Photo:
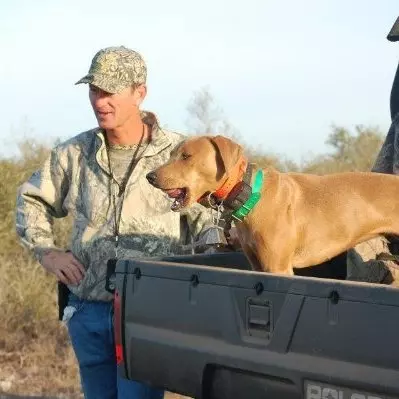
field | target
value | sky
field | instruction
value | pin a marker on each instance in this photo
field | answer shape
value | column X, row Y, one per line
column 283, row 71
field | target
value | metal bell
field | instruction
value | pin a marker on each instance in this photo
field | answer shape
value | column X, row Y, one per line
column 214, row 236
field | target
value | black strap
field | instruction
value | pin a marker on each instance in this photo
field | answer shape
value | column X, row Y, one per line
column 63, row 296
column 248, row 173
column 241, row 199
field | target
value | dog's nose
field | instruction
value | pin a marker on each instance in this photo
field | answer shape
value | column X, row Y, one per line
column 151, row 177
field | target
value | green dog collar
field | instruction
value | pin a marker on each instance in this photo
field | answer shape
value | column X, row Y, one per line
column 240, row 213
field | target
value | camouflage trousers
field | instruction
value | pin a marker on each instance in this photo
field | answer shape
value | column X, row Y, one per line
column 362, row 264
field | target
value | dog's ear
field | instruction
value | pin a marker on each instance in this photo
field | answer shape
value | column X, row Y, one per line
column 228, row 151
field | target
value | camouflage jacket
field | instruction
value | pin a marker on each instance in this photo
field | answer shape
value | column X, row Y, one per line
column 74, row 180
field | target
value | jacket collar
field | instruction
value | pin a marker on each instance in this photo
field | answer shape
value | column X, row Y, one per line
column 159, row 140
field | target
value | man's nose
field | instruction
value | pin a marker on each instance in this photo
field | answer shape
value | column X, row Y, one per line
column 100, row 102
column 151, row 177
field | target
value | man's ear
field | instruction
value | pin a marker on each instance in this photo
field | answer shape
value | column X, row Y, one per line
column 140, row 93
column 228, row 152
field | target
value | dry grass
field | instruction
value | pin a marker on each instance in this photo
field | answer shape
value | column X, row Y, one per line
column 35, row 353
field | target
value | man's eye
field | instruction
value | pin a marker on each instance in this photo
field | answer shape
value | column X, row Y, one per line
column 184, row 155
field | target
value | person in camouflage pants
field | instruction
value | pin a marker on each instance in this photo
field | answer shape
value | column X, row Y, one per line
column 98, row 177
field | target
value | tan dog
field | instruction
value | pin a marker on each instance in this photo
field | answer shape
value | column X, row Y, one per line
column 300, row 220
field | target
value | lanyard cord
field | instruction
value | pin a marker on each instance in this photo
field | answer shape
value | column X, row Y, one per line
column 122, row 188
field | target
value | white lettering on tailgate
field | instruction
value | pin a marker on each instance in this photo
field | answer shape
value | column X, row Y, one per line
column 318, row 392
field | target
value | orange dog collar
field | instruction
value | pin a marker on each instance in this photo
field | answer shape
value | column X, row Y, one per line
column 235, row 175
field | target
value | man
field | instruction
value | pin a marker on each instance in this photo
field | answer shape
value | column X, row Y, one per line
column 98, row 177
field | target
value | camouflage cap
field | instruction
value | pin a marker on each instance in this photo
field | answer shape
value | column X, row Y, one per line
column 115, row 68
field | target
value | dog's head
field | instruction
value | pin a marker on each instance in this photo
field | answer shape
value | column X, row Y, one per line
column 198, row 166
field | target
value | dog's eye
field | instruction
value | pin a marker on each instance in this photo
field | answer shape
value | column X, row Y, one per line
column 184, row 155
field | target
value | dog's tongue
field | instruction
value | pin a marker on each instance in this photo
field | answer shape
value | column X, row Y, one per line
column 174, row 193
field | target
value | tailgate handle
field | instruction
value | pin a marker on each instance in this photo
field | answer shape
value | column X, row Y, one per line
column 259, row 319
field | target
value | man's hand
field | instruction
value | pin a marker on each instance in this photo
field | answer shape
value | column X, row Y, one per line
column 64, row 266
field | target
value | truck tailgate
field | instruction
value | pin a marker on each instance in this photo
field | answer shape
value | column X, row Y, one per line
column 217, row 332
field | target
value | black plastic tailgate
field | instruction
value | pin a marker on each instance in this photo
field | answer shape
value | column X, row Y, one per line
column 221, row 333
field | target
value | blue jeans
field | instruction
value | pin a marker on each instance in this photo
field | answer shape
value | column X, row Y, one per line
column 91, row 332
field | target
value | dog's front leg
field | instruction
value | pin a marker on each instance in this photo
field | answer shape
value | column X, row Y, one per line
column 252, row 258
column 274, row 257
column 277, row 264
column 267, row 252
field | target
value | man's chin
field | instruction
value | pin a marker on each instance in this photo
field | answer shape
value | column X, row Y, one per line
column 105, row 125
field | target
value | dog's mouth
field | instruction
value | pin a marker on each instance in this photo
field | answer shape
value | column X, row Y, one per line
column 179, row 196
